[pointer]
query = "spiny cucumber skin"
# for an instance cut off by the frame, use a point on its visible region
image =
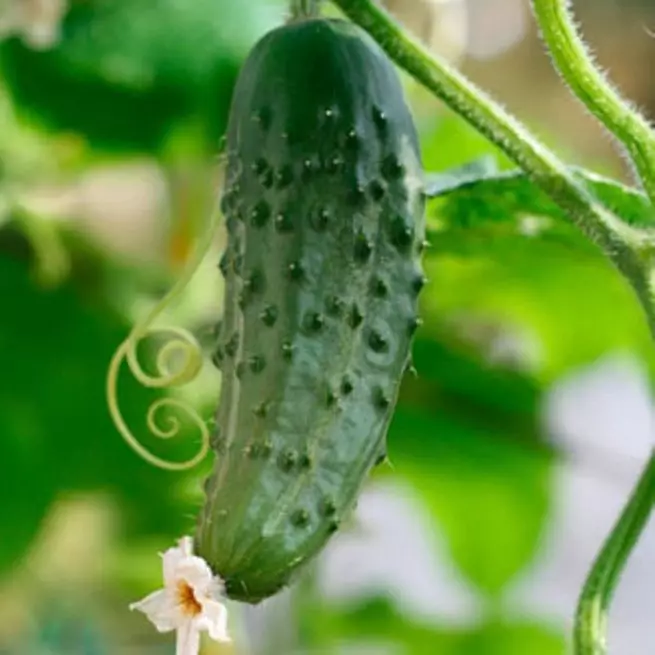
(324, 210)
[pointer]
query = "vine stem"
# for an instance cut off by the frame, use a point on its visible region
(623, 244)
(591, 616)
(575, 64)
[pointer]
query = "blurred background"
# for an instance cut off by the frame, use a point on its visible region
(511, 453)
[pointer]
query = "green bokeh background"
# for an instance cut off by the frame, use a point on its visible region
(148, 83)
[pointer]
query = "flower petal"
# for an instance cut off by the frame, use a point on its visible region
(188, 639)
(161, 609)
(196, 572)
(173, 557)
(185, 544)
(214, 620)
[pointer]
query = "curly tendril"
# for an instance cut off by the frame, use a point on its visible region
(126, 350)
(183, 345)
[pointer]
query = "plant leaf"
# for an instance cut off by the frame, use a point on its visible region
(489, 495)
(377, 622)
(477, 197)
(437, 184)
(176, 63)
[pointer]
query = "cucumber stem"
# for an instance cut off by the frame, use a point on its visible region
(574, 62)
(591, 617)
(305, 8)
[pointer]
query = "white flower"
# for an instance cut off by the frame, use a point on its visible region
(188, 602)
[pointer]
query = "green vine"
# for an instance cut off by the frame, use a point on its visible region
(591, 616)
(573, 60)
(631, 250)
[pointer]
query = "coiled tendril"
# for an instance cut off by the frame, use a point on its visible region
(184, 344)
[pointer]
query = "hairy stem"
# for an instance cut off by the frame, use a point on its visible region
(305, 8)
(591, 617)
(574, 62)
(621, 243)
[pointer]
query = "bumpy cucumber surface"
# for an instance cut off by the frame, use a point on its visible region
(324, 209)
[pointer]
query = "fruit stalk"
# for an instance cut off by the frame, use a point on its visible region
(305, 8)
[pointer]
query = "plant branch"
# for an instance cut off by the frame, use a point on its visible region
(591, 616)
(575, 64)
(621, 243)
(305, 8)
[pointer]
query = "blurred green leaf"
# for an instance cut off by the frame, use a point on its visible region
(506, 265)
(28, 476)
(376, 621)
(23, 153)
(126, 72)
(489, 497)
(502, 253)
(505, 259)
(467, 436)
(450, 142)
(457, 377)
(513, 638)
(570, 309)
(57, 436)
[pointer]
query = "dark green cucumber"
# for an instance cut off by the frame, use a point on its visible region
(324, 209)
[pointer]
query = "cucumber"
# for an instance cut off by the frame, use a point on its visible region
(324, 210)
